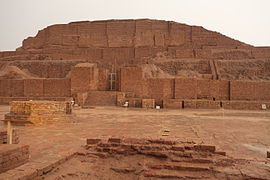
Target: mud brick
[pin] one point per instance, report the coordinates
(93, 141)
(178, 148)
(114, 140)
(205, 148)
(12, 156)
(221, 153)
(148, 103)
(172, 103)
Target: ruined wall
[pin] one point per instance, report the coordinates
(125, 40)
(12, 156)
(35, 88)
(100, 98)
(4, 136)
(245, 69)
(245, 105)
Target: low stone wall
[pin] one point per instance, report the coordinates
(38, 112)
(12, 156)
(148, 103)
(3, 136)
(245, 105)
(37, 107)
(172, 103)
(101, 98)
(7, 100)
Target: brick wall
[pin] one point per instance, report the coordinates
(158, 88)
(84, 77)
(4, 88)
(16, 87)
(103, 79)
(172, 103)
(248, 90)
(131, 80)
(245, 105)
(33, 87)
(101, 98)
(15, 155)
(56, 87)
(185, 89)
(201, 104)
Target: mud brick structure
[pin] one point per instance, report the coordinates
(93, 62)
(148, 103)
(4, 136)
(38, 112)
(12, 156)
(157, 158)
(172, 103)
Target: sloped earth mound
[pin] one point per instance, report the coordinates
(155, 159)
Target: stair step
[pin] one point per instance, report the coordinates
(181, 166)
(177, 174)
(192, 160)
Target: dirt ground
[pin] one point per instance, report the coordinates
(241, 134)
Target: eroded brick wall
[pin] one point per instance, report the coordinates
(248, 90)
(84, 78)
(12, 156)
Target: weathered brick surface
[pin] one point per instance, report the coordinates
(103, 79)
(84, 77)
(4, 137)
(185, 88)
(190, 104)
(131, 80)
(134, 102)
(56, 87)
(201, 104)
(173, 103)
(33, 87)
(248, 90)
(16, 87)
(158, 88)
(245, 105)
(101, 98)
(7, 100)
(207, 104)
(12, 156)
(148, 103)
(38, 112)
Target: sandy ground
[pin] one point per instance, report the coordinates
(242, 134)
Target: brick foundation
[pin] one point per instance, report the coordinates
(3, 136)
(12, 156)
(245, 105)
(148, 103)
(38, 112)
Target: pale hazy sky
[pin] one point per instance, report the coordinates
(245, 20)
